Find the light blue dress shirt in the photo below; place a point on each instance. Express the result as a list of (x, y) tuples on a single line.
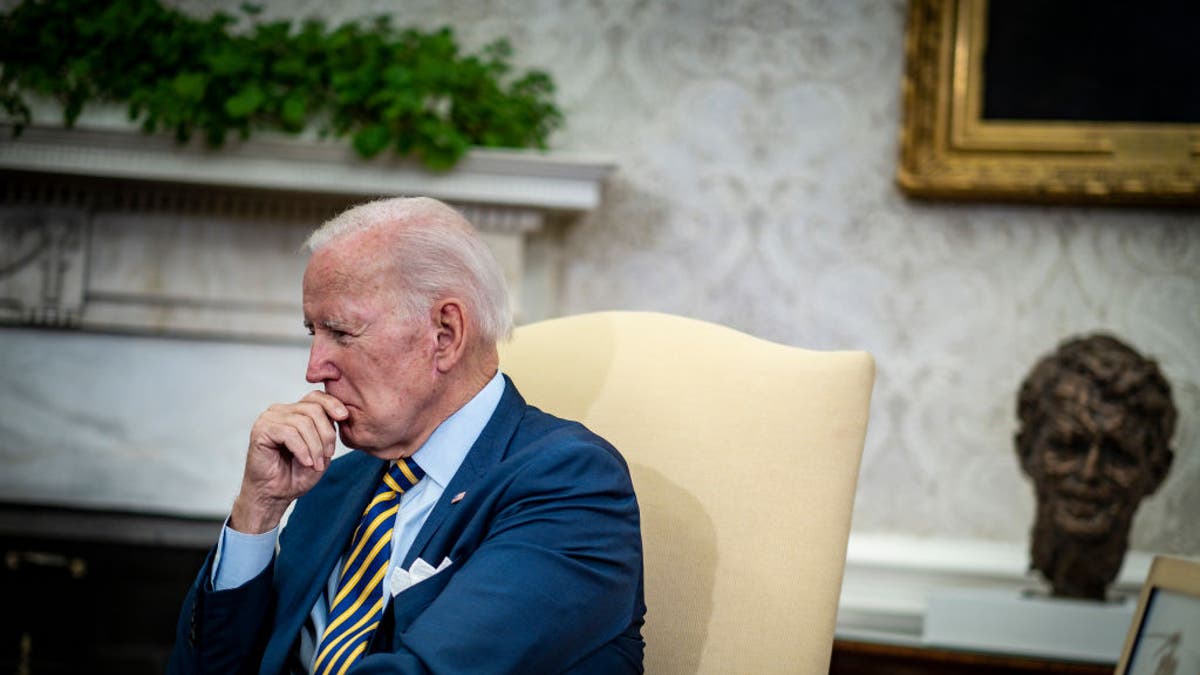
[(241, 557)]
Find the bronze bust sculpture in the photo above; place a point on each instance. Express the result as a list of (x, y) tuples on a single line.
[(1096, 420)]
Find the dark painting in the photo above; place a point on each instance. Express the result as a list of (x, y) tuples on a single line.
[(1092, 61)]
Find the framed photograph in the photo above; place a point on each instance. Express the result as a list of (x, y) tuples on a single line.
[(1068, 101), (1164, 638)]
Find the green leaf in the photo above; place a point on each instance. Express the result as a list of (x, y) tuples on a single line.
[(227, 60), (245, 102), (71, 109), (397, 76), (437, 159), (293, 111), (190, 86), (369, 141), (290, 66)]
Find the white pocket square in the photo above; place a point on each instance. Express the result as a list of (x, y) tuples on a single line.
[(401, 579)]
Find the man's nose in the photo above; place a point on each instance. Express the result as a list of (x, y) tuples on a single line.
[(320, 367)]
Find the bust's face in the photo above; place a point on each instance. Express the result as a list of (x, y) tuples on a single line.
[(1090, 461)]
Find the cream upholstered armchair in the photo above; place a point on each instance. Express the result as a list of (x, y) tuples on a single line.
[(744, 455)]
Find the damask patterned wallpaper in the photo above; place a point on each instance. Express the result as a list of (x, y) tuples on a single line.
[(757, 141)]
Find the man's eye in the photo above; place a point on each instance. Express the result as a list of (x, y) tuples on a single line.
[(310, 330)]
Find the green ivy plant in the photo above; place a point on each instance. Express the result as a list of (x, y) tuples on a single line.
[(383, 87)]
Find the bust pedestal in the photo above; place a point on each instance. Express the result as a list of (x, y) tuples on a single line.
[(1011, 622)]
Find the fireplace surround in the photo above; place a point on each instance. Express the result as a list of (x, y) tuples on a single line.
[(149, 301)]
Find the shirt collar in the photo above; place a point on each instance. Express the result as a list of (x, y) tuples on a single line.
[(448, 445)]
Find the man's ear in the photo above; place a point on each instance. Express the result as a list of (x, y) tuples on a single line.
[(450, 326)]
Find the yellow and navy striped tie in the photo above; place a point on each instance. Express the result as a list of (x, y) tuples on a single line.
[(358, 606)]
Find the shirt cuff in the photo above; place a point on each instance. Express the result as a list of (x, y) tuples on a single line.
[(240, 557)]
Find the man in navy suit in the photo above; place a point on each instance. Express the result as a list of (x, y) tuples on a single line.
[(516, 550)]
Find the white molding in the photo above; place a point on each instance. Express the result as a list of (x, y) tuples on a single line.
[(509, 195), (888, 580), (545, 181)]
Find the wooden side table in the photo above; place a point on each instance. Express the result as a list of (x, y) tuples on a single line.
[(851, 657)]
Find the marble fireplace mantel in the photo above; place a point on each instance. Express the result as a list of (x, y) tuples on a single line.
[(105, 228), (500, 178)]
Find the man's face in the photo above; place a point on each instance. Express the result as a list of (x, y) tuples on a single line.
[(366, 355), (1090, 465)]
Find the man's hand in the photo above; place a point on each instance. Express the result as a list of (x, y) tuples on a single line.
[(290, 448)]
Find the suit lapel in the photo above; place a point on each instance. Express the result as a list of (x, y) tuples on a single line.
[(487, 451), (332, 515), (333, 536)]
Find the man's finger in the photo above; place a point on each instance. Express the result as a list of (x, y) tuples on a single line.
[(326, 437), (323, 424), (333, 407), (289, 438)]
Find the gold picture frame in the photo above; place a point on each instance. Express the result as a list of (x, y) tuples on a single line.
[(949, 151)]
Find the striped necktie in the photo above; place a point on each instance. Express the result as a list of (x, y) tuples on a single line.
[(358, 606)]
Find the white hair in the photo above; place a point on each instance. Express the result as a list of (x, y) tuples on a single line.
[(437, 254)]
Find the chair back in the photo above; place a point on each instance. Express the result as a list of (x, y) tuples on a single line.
[(744, 455)]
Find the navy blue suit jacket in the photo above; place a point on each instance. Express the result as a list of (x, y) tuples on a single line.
[(546, 574)]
